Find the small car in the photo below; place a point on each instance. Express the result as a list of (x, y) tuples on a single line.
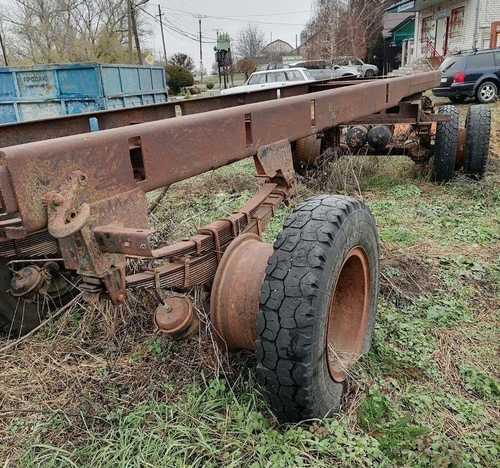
[(366, 70), (474, 74), (272, 79), (288, 76), (322, 69)]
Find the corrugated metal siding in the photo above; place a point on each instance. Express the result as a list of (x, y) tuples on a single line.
[(55, 90), (82, 82)]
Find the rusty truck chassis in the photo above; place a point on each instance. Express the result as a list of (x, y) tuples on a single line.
[(82, 197)]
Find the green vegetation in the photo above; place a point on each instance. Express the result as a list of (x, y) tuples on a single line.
[(115, 394), (178, 78)]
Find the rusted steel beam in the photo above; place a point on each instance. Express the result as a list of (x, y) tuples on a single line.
[(47, 129), (158, 154), (28, 132)]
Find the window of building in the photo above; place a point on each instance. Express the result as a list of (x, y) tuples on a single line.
[(427, 29), (457, 22)]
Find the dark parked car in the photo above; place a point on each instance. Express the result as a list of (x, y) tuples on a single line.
[(474, 74)]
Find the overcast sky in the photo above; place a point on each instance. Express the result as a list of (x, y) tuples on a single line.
[(287, 17)]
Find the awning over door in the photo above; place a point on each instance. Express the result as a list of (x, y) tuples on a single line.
[(413, 5)]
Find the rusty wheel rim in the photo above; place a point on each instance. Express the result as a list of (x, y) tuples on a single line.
[(348, 314)]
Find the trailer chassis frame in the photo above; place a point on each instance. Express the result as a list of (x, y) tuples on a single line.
[(82, 197)]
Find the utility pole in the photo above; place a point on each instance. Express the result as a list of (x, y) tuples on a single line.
[(129, 21), (136, 34), (2, 45), (162, 35), (296, 41), (201, 52)]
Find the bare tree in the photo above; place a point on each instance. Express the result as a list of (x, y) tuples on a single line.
[(182, 60), (47, 31), (344, 27), (246, 66), (250, 42)]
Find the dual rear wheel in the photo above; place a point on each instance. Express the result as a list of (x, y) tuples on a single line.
[(476, 143)]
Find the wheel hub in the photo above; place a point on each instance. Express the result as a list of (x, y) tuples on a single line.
[(235, 298), (487, 92), (348, 316), (27, 281)]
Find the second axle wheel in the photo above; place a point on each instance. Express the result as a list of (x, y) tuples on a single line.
[(446, 146), (318, 306), (477, 143)]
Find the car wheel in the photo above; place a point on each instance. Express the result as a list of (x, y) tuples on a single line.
[(487, 92), (318, 306), (446, 146), (369, 74), (477, 143)]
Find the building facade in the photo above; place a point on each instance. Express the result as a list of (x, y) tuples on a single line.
[(274, 51), (398, 31), (444, 27)]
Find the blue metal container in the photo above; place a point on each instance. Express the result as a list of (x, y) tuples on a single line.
[(46, 91)]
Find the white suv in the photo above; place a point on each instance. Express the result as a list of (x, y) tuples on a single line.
[(272, 79)]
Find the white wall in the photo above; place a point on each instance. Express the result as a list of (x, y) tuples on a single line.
[(489, 12)]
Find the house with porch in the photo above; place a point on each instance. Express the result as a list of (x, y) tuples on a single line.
[(444, 27), (398, 32)]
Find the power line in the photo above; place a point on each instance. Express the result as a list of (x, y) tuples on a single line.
[(227, 18), (178, 27), (241, 19), (171, 27), (283, 13), (273, 14)]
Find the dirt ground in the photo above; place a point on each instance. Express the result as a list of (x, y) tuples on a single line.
[(98, 386)]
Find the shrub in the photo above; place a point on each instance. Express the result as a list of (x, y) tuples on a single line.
[(178, 78), (195, 90), (246, 66), (210, 85)]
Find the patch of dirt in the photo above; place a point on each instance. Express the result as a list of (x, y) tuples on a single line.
[(407, 277)]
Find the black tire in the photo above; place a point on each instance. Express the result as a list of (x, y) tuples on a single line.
[(477, 141), (306, 279), (369, 74), (446, 146), (457, 99), (19, 316), (487, 92)]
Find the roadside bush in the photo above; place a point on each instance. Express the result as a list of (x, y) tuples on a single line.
[(210, 85), (178, 78), (195, 90)]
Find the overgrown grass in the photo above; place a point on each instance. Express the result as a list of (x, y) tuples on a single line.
[(426, 395)]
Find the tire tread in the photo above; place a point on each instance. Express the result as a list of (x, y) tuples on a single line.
[(286, 317)]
